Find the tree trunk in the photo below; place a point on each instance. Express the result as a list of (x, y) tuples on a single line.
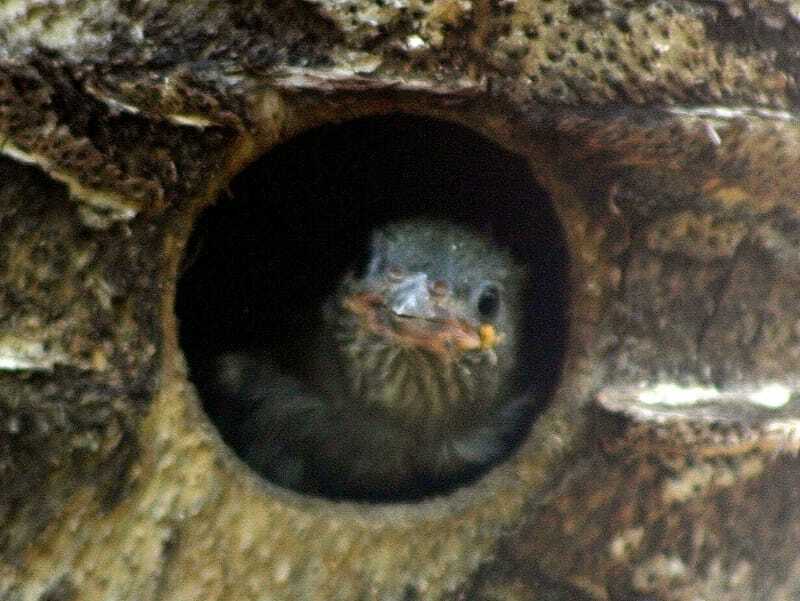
[(666, 137)]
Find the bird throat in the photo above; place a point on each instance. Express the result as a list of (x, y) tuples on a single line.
[(410, 382)]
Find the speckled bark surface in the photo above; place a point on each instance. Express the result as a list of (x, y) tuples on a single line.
[(666, 134)]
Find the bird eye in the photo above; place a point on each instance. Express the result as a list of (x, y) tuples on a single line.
[(489, 302)]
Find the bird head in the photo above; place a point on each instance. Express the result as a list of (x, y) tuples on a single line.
[(432, 320)]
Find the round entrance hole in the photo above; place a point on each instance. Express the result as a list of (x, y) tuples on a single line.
[(264, 261)]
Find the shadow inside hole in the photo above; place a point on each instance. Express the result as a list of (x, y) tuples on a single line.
[(262, 262)]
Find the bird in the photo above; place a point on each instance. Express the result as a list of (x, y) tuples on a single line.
[(409, 383)]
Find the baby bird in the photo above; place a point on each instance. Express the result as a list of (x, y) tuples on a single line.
[(410, 385)]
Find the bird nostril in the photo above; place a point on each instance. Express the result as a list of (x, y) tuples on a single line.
[(395, 273), (439, 288)]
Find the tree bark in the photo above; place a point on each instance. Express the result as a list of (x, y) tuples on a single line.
[(664, 467)]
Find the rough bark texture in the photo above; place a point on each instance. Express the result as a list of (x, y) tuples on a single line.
[(667, 135)]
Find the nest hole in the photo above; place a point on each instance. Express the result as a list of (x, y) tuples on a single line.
[(262, 260)]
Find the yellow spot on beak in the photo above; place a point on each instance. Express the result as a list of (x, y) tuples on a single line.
[(489, 336)]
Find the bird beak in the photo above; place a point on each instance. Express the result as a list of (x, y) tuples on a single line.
[(489, 336), (412, 298), (409, 314)]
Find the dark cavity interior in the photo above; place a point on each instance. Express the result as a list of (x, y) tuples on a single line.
[(264, 258)]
